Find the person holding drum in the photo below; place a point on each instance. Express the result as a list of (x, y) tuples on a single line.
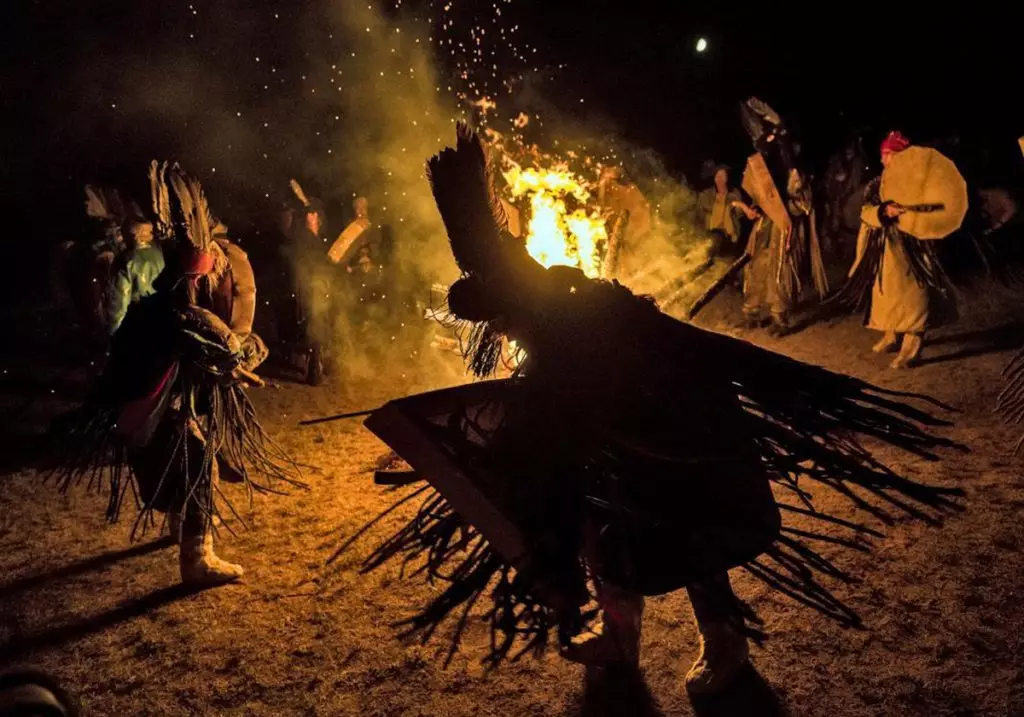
[(896, 278)]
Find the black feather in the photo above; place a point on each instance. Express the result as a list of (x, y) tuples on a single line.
[(463, 187)]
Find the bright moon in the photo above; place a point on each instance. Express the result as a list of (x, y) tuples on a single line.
[(702, 45)]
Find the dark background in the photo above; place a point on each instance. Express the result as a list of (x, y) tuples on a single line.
[(827, 70), (950, 77)]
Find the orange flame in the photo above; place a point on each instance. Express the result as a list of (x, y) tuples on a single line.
[(556, 236)]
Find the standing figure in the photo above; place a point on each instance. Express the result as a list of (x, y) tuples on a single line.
[(718, 207), (895, 276), (364, 252), (170, 411), (313, 284), (783, 247), (842, 190), (780, 252)]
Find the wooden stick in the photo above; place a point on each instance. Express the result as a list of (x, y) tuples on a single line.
[(338, 417), (714, 289)]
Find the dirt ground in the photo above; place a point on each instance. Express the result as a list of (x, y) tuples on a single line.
[(941, 600)]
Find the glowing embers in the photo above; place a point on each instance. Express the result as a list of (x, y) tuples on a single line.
[(556, 234)]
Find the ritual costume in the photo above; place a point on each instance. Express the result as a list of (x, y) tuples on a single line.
[(234, 297), (629, 455), (896, 277), (170, 413), (783, 246)]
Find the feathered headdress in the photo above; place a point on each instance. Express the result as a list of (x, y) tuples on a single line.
[(183, 216), (180, 206), (464, 191), (494, 265), (190, 212), (160, 198)]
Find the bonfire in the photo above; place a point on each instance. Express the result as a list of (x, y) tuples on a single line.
[(556, 234)]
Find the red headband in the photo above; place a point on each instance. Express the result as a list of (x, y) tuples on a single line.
[(895, 142)]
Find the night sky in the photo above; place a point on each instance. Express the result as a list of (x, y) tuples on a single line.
[(938, 76), (826, 71)]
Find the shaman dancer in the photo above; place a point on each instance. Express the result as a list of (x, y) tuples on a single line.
[(896, 278), (170, 408), (783, 246), (619, 468)]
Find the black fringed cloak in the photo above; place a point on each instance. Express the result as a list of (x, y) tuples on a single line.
[(653, 437)]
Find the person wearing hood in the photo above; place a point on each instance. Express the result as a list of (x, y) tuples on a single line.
[(785, 254)]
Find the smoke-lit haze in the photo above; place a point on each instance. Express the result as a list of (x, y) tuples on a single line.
[(343, 97)]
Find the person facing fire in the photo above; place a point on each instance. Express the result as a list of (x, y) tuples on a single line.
[(623, 447), (719, 212), (770, 279), (170, 407)]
